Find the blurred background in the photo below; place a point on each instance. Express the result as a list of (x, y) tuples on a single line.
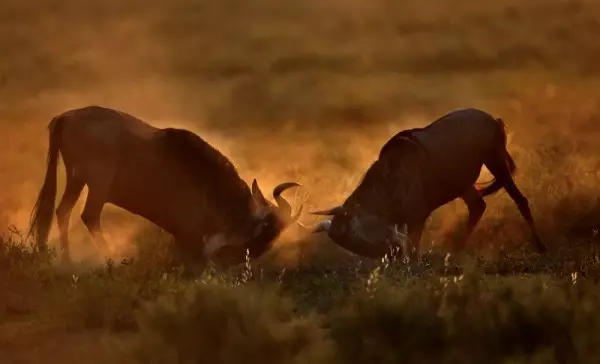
[(310, 90)]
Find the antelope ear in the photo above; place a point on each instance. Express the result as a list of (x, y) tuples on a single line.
[(258, 195)]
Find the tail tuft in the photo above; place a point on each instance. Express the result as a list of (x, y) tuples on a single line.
[(43, 210), (494, 185)]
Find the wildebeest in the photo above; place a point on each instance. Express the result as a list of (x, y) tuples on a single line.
[(419, 170), (169, 176)]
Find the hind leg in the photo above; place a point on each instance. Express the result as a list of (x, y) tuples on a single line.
[(415, 232), (99, 180), (97, 196), (63, 212), (500, 170), (523, 205), (188, 254), (91, 217)]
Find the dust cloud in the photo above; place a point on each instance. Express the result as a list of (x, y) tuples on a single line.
[(94, 58), (290, 95)]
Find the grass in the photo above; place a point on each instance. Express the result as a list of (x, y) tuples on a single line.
[(448, 313), (309, 91)]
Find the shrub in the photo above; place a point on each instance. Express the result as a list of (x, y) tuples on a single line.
[(470, 319), (207, 322)]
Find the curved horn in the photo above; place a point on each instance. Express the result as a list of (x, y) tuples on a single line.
[(333, 211), (282, 203), (278, 190), (258, 195)]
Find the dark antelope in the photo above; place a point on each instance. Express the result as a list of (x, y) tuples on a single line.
[(169, 176), (419, 170)]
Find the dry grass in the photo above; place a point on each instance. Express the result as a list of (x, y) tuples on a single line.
[(310, 90), (449, 313)]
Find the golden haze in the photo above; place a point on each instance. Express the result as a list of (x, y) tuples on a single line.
[(308, 90)]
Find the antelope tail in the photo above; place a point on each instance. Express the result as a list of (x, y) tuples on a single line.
[(494, 186), (43, 210)]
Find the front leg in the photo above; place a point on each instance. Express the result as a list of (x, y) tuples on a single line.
[(415, 232), (191, 258)]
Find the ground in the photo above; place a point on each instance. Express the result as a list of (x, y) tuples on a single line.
[(309, 91)]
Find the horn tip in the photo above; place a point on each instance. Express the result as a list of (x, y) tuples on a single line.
[(278, 190)]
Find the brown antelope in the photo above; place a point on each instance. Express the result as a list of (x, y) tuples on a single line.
[(419, 170), (169, 176)]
